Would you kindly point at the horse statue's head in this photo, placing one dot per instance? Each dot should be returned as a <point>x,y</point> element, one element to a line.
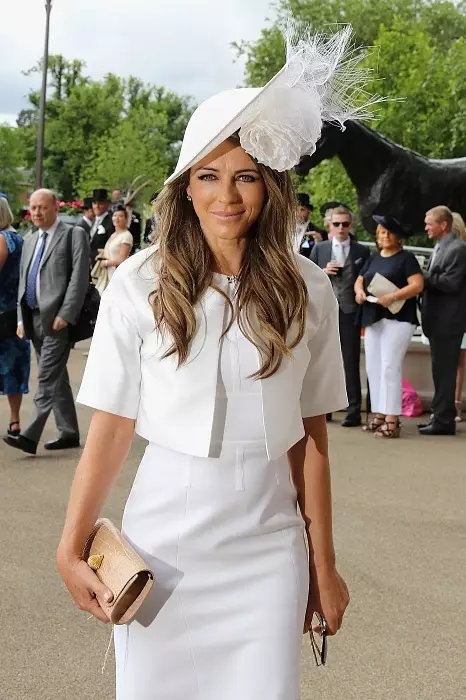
<point>328,146</point>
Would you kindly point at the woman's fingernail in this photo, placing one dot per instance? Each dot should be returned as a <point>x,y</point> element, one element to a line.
<point>108,597</point>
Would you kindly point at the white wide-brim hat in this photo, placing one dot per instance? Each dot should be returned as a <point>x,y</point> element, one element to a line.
<point>282,121</point>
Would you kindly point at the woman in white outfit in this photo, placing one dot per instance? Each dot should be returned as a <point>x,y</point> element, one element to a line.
<point>220,347</point>
<point>388,330</point>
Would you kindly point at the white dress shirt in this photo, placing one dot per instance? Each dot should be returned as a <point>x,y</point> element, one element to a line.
<point>300,232</point>
<point>50,233</point>
<point>96,224</point>
<point>340,250</point>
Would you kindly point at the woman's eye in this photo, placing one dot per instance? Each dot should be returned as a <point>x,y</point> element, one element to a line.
<point>207,177</point>
<point>247,178</point>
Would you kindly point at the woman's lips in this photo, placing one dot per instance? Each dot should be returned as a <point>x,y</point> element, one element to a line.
<point>228,216</point>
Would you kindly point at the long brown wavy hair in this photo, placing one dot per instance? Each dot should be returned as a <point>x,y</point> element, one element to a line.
<point>270,284</point>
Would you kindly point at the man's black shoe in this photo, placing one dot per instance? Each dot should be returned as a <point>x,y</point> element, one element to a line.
<point>21,443</point>
<point>350,422</point>
<point>62,444</point>
<point>433,429</point>
<point>329,418</point>
<point>423,425</point>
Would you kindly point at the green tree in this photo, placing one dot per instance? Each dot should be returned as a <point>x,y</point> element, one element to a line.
<point>86,119</point>
<point>11,163</point>
<point>431,117</point>
<point>444,22</point>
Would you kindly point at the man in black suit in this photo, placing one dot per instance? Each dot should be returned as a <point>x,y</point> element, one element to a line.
<point>444,316</point>
<point>102,227</point>
<point>306,233</point>
<point>342,258</point>
<point>88,216</point>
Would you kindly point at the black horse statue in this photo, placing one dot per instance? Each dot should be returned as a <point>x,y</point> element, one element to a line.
<point>388,178</point>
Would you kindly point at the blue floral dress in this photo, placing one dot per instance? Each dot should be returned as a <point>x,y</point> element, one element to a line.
<point>15,354</point>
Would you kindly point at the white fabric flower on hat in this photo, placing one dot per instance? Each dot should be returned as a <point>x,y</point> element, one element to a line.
<point>321,81</point>
<point>282,128</point>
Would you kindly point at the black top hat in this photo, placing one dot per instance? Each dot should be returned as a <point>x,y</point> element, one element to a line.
<point>332,205</point>
<point>100,195</point>
<point>391,224</point>
<point>87,202</point>
<point>304,200</point>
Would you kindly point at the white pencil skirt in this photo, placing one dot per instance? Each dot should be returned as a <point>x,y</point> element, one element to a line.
<point>225,617</point>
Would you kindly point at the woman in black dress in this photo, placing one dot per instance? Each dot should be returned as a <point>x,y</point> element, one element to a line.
<point>388,328</point>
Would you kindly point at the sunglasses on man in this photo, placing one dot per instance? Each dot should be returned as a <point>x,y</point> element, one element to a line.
<point>345,224</point>
<point>318,637</point>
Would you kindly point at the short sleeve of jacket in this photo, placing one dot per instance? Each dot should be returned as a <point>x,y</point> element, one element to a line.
<point>324,387</point>
<point>112,377</point>
<point>126,238</point>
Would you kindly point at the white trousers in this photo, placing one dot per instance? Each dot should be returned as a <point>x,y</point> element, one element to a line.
<point>386,343</point>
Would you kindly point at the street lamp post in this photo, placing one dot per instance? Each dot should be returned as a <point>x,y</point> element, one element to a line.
<point>43,99</point>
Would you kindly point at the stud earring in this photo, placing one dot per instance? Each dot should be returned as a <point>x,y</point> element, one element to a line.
<point>189,198</point>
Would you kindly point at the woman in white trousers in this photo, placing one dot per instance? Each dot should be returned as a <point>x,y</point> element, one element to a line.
<point>389,320</point>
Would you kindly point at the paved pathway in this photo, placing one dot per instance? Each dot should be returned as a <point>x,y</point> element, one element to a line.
<point>400,522</point>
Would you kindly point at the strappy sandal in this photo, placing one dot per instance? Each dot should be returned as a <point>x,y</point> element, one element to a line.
<point>16,431</point>
<point>387,431</point>
<point>374,424</point>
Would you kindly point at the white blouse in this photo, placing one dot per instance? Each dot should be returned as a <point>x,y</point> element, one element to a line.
<point>175,406</point>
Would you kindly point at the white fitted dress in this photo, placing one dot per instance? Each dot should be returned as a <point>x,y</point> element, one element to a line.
<point>224,538</point>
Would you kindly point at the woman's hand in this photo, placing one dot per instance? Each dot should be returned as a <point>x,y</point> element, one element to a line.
<point>386,300</point>
<point>83,584</point>
<point>360,296</point>
<point>328,596</point>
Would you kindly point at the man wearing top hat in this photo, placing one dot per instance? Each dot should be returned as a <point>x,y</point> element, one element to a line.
<point>102,227</point>
<point>342,258</point>
<point>306,233</point>
<point>88,216</point>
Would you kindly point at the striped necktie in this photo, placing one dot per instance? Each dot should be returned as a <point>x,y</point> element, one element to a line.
<point>31,296</point>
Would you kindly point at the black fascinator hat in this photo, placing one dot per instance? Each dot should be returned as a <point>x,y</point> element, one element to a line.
<point>393,225</point>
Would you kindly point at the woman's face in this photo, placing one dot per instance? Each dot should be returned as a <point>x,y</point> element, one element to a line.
<point>119,219</point>
<point>227,192</point>
<point>387,240</point>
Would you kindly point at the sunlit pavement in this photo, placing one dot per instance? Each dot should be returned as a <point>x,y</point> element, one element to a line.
<point>400,530</point>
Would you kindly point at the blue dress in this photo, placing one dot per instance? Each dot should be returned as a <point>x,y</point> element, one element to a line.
<point>15,354</point>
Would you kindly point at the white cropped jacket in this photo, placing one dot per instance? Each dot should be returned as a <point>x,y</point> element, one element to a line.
<point>174,407</point>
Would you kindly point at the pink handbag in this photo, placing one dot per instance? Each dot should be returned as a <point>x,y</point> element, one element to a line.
<point>411,405</point>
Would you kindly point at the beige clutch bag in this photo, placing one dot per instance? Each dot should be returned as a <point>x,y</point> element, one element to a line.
<point>120,568</point>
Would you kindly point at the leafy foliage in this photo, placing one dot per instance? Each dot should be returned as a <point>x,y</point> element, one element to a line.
<point>102,133</point>
<point>11,164</point>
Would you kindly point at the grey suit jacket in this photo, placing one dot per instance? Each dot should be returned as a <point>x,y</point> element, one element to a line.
<point>321,254</point>
<point>64,277</point>
<point>444,299</point>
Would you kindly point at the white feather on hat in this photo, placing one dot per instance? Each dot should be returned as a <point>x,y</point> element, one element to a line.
<point>278,124</point>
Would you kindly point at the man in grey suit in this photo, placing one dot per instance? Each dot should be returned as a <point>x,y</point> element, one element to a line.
<point>342,258</point>
<point>54,277</point>
<point>444,316</point>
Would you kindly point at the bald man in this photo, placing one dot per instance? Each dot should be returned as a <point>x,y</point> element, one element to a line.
<point>54,277</point>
